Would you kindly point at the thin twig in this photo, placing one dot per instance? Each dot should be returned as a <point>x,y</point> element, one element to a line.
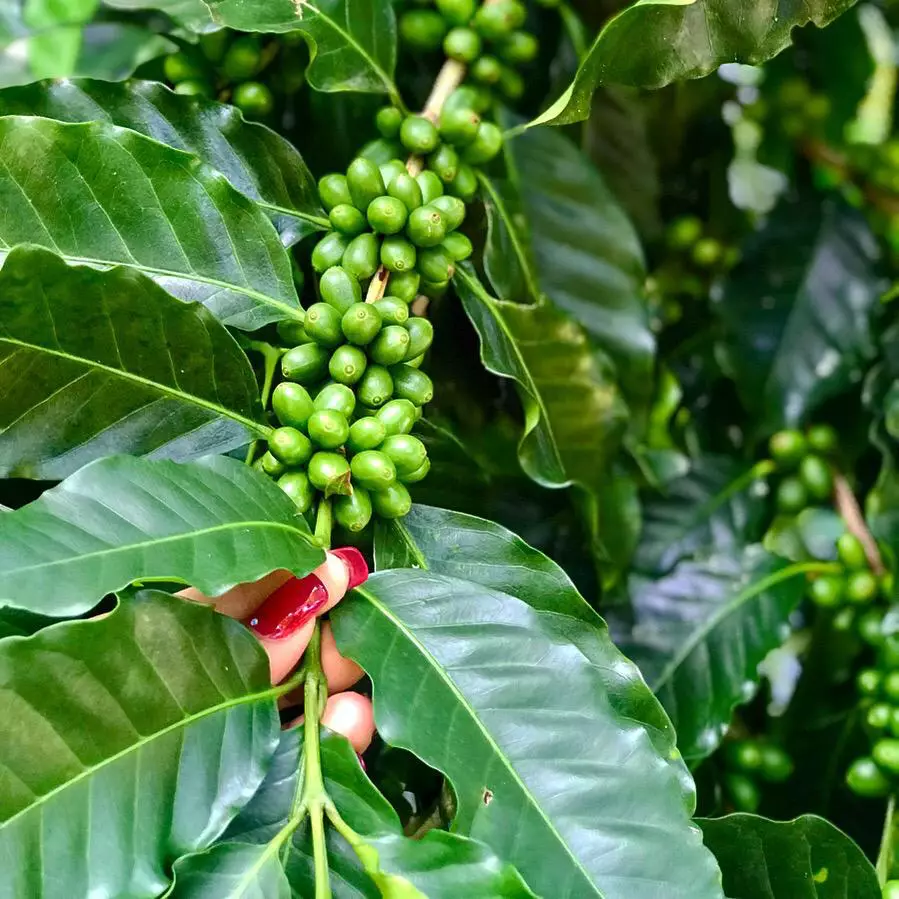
<point>448,79</point>
<point>849,510</point>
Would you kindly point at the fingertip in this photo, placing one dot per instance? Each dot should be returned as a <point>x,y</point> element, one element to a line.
<point>356,565</point>
<point>351,715</point>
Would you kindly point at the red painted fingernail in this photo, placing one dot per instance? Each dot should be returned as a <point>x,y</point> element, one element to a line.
<point>355,562</point>
<point>289,607</point>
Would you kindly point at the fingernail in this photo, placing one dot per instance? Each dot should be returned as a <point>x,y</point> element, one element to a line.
<point>355,562</point>
<point>290,607</point>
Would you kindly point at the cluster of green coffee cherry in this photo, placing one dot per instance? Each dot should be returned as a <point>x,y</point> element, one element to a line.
<point>748,762</point>
<point>795,108</point>
<point>487,38</point>
<point>226,64</point>
<point>802,460</point>
<point>854,587</point>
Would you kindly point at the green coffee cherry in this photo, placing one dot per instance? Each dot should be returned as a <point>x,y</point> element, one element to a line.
<point>851,552</point>
<point>361,256</point>
<point>452,209</point>
<point>459,126</point>
<point>297,486</point>
<point>387,215</point>
<point>495,21</point>
<point>434,289</point>
<point>431,186</point>
<point>347,364</point>
<point>890,687</point>
<point>426,227</point>
<point>777,766</point>
<point>329,252</point>
<point>887,586</point>
<point>870,627</point>
<point>787,449</point>
<point>511,83</point>
<point>193,88</point>
<point>463,45</point>
<point>415,361</point>
<point>272,465</point>
<point>364,182</point>
<point>421,334</point>
<point>398,254</point>
<point>889,652</point>
<point>397,416</point>
<point>457,246</point>
<point>519,48</point>
<point>743,792</point>
<point>861,587</point>
<point>469,96</point>
<point>290,446</point>
<point>419,135</point>
<point>360,323</point>
<point>815,474</point>
<point>328,429</point>
<point>390,346</point>
<point>339,289</point>
<point>422,29</point>
<point>392,170</point>
<point>487,69</point>
<point>333,190</point>
<point>330,473</point>
<point>323,325</point>
<point>405,189</point>
<point>353,512</point>
<point>822,439</point>
<point>844,620</point>
<point>886,755</point>
<point>254,99</point>
<point>366,434</point>
<point>827,591</point>
<point>292,404</point>
<point>890,890</point>
<point>456,12</point>
<point>381,152</point>
<point>865,779</point>
<point>347,219</point>
<point>792,497</point>
<point>336,398</point>
<point>182,67</point>
<point>404,286</point>
<point>392,309</point>
<point>435,264</point>
<point>879,716</point>
<point>684,232</point>
<point>391,502</point>
<point>411,384</point>
<point>242,59</point>
<point>419,474</point>
<point>292,332</point>
<point>707,252</point>
<point>444,162</point>
<point>375,387</point>
<point>486,145</point>
<point>388,121</point>
<point>406,452</point>
<point>372,469</point>
<point>465,187</point>
<point>306,363</point>
<point>746,755</point>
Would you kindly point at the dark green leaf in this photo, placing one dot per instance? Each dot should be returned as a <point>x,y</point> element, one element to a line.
<point>138,736</point>
<point>552,773</point>
<point>797,311</point>
<point>104,195</point>
<point>574,416</point>
<point>212,524</point>
<point>257,161</point>
<point>18,623</point>
<point>101,362</point>
<point>716,507</point>
<point>586,255</point>
<point>231,871</point>
<point>655,42</point>
<point>807,858</point>
<point>699,633</point>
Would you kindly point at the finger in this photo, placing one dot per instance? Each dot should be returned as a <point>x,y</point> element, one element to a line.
<point>349,714</point>
<point>284,622</point>
<point>243,599</point>
<point>340,671</point>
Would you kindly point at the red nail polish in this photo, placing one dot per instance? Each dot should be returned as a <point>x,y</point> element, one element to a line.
<point>290,607</point>
<point>355,562</point>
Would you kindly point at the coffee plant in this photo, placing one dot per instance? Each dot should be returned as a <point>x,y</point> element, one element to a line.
<point>561,337</point>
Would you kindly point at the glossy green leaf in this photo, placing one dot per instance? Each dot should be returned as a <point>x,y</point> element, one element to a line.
<point>586,255</point>
<point>103,195</point>
<point>798,311</point>
<point>654,42</point>
<point>138,736</point>
<point>807,858</point>
<point>212,524</point>
<point>699,632</point>
<point>552,774</point>
<point>231,871</point>
<point>718,506</point>
<point>19,623</point>
<point>574,416</point>
<point>439,866</point>
<point>98,362</point>
<point>256,160</point>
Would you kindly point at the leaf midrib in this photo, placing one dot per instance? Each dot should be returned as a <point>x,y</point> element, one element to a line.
<point>254,426</point>
<point>488,737</point>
